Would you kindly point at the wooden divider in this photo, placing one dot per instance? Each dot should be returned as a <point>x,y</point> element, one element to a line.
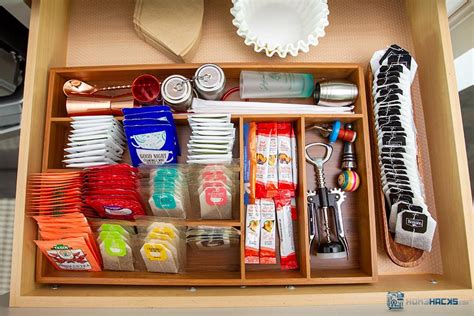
<point>360,269</point>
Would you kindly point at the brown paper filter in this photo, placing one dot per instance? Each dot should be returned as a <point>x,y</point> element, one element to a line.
<point>173,27</point>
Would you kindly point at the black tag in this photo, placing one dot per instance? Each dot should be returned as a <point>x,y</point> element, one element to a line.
<point>394,49</point>
<point>403,59</point>
<point>388,80</point>
<point>395,177</point>
<point>394,140</point>
<point>393,149</point>
<point>392,155</point>
<point>401,196</point>
<point>392,120</point>
<point>389,167</point>
<point>382,104</point>
<point>388,98</point>
<point>388,68</point>
<point>414,222</point>
<point>390,181</point>
<point>388,74</point>
<point>398,186</point>
<point>393,134</point>
<point>409,207</point>
<point>389,91</point>
<point>392,129</point>
<point>387,111</point>
<point>388,86</point>
<point>393,161</point>
<point>395,172</point>
<point>396,105</point>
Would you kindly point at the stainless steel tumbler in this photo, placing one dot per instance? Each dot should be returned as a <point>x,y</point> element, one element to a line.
<point>335,93</point>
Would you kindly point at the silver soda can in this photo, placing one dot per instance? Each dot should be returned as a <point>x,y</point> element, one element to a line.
<point>335,93</point>
<point>177,92</point>
<point>209,81</point>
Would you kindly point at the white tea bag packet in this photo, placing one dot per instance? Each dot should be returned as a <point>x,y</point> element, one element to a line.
<point>89,124</point>
<point>206,151</point>
<point>212,139</point>
<point>93,147</point>
<point>92,118</point>
<point>415,229</point>
<point>209,161</point>
<point>88,159</point>
<point>108,142</point>
<point>214,132</point>
<point>211,125</point>
<point>89,164</point>
<point>417,205</point>
<point>94,141</point>
<point>107,152</point>
<point>108,127</point>
<point>209,118</point>
<point>211,156</point>
<point>225,148</point>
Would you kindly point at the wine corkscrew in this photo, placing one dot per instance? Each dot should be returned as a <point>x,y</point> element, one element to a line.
<point>325,212</point>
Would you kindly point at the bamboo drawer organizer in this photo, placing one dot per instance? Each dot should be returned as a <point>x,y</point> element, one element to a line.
<point>228,268</point>
<point>84,33</point>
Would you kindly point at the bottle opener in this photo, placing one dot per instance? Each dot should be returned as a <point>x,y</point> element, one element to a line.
<point>325,212</point>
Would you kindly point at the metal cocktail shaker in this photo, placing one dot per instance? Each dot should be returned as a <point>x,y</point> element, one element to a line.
<point>335,93</point>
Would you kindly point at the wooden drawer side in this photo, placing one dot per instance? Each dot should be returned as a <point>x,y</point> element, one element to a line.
<point>46,48</point>
<point>433,52</point>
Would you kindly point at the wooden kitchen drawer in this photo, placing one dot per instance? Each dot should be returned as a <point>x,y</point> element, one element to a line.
<point>92,33</point>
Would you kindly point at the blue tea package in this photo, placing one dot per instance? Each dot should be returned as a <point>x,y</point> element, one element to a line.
<point>145,109</point>
<point>151,144</point>
<point>145,121</point>
<point>151,135</point>
<point>154,121</point>
<point>150,113</point>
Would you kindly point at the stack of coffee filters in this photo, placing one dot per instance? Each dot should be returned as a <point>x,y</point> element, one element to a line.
<point>172,27</point>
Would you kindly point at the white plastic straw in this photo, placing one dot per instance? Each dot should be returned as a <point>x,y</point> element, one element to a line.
<point>240,107</point>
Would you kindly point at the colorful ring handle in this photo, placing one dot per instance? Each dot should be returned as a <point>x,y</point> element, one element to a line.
<point>336,127</point>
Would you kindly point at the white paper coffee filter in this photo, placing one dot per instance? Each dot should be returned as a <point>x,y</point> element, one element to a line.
<point>280,26</point>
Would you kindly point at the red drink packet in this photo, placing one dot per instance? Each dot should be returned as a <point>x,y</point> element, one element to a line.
<point>115,208</point>
<point>285,229</point>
